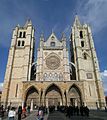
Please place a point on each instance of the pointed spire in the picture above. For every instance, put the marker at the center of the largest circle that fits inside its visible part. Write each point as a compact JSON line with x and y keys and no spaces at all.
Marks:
{"x":41,"y":40}
{"x":63,"y":36}
{"x":52,"y":33}
{"x":28,"y":22}
{"x":42,"y":37}
{"x":18,"y":25}
{"x":63,"y":40}
{"x":77,"y":21}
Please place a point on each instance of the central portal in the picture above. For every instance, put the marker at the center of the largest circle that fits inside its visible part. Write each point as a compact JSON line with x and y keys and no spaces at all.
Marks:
{"x":53,"y":101}
{"x":53,"y":96}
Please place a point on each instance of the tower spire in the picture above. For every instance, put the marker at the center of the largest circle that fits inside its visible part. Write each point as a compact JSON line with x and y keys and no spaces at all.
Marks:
{"x":63,"y":36}
{"x":28,"y":22}
{"x":42,"y":36}
{"x":77,"y":21}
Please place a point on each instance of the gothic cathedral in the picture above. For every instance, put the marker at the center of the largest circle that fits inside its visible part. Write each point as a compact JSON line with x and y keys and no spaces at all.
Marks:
{"x":58,"y":76}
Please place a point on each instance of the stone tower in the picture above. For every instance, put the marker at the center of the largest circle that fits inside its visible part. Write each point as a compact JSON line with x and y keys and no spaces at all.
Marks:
{"x":83,"y":55}
{"x":21,"y":55}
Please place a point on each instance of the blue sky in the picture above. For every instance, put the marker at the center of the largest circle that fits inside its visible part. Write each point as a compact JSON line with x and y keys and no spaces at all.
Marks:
{"x":57,"y":15}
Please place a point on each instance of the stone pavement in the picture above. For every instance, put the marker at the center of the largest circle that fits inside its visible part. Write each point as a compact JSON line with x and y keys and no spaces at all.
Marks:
{"x":34,"y":117}
{"x":57,"y":116}
{"x":94,"y":115}
{"x":98,"y":115}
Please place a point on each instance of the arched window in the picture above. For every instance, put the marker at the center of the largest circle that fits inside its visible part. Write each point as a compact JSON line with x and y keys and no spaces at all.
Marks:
{"x":85,"y":56}
{"x":19,"y":42}
{"x":23,"y":43}
{"x":50,"y":76}
{"x":60,"y":77}
{"x":45,"y":76}
{"x":24,"y":34}
{"x":56,"y":76}
{"x":20,"y":34}
{"x":82,"y":43}
{"x":81,"y":34}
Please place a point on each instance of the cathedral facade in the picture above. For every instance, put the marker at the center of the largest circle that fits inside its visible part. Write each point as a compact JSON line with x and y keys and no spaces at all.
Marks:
{"x":59,"y":76}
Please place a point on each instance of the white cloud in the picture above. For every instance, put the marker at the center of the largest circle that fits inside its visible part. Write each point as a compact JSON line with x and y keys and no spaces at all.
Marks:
{"x":94,"y":12}
{"x":104,"y":78}
{"x":104,"y":74}
{"x":1,"y":86}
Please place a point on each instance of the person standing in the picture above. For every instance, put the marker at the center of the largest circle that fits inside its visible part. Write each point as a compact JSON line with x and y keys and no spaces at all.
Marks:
{"x":40,"y":114}
{"x":11,"y":114}
{"x":24,"y":112}
{"x":28,"y":109}
{"x":19,"y":112}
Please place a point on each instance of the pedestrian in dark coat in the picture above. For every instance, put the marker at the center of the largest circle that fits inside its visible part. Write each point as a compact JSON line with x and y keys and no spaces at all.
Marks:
{"x":81,"y":110}
{"x":86,"y":110}
{"x":19,"y":112}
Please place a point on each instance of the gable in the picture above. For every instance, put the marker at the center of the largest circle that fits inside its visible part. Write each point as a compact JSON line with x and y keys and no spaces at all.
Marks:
{"x":52,"y":41}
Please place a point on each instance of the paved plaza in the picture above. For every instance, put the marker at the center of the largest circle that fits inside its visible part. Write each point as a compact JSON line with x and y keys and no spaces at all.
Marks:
{"x":94,"y":115}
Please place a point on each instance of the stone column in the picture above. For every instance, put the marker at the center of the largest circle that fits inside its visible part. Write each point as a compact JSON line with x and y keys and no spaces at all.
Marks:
{"x":67,"y":95}
{"x":31,"y":105}
{"x":22,"y":104}
{"x":43,"y":98}
{"x":63,"y":96}
{"x":46,"y":102}
{"x":60,"y":102}
{"x":76,"y":102}
{"x":40,"y":93}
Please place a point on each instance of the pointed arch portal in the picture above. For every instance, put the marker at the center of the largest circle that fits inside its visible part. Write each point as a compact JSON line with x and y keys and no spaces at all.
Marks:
{"x":53,"y":96}
{"x":74,"y":96}
{"x":32,"y":95}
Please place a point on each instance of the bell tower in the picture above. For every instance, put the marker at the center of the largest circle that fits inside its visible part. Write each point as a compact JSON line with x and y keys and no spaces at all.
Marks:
{"x":87,"y":68}
{"x":20,"y":58}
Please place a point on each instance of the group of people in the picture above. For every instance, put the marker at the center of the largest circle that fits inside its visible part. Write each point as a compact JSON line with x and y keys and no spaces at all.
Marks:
{"x":68,"y":110}
{"x":12,"y":111}
{"x":2,"y":111}
{"x":41,"y":111}
{"x":75,"y":110}
{"x":22,"y":112}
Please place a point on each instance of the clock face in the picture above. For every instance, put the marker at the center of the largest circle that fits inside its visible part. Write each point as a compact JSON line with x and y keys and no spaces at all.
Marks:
{"x":53,"y":62}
